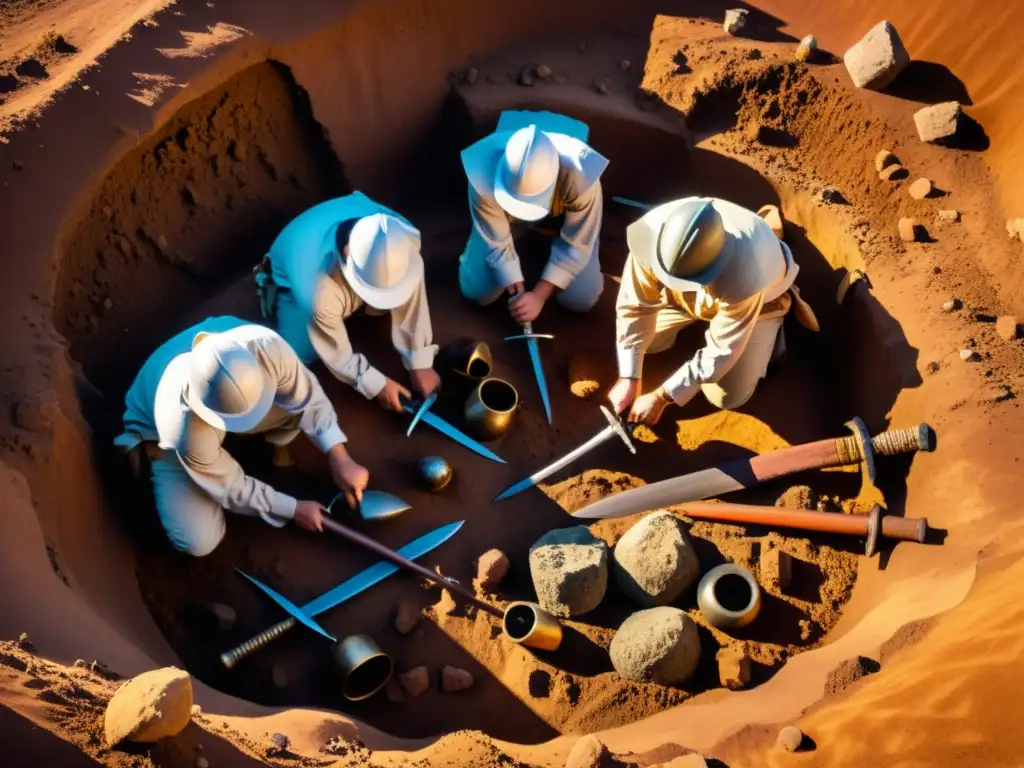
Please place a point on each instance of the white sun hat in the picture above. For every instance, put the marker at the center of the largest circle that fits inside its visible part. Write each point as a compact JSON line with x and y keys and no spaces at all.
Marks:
{"x":383,"y":266}
{"x":226,"y":385}
{"x":527,"y":173}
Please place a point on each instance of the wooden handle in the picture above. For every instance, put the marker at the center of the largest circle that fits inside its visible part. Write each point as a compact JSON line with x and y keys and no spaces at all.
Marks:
{"x":910,"y":440}
{"x":235,"y":655}
{"x":904,"y":528}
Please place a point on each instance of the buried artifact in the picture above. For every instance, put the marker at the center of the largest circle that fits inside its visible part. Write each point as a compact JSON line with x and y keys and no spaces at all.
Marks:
{"x":339,"y":594}
{"x":422,"y":412}
{"x":434,"y":472}
{"x":375,"y":505}
{"x":538,"y":367}
{"x":491,"y":408}
{"x":614,"y":429}
{"x":746,"y":473}
{"x":871,"y":525}
{"x":729,"y":597}
{"x":469,"y":359}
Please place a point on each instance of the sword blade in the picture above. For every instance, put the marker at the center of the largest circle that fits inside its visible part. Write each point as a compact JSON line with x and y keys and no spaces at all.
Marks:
{"x":554,"y":466}
{"x":632,"y":203}
{"x":424,"y":407}
{"x":289,"y":606}
{"x":538,"y":371}
{"x":466,"y":441}
{"x":677,"y":490}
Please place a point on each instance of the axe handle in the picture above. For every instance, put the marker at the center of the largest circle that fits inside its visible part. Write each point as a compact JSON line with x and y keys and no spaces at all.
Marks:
{"x":905,"y":529}
{"x":839,"y":451}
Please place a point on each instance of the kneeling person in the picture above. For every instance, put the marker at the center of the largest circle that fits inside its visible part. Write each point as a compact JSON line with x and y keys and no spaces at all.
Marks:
{"x":226,"y":375}
{"x":710,"y":260}
{"x":543,"y":170}
{"x":330,"y":261}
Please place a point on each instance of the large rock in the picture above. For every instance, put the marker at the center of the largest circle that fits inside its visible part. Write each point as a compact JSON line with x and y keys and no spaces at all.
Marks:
{"x":569,"y":567}
{"x":939,"y":123}
{"x":659,"y":645}
{"x":736,"y":21}
{"x":875,"y":61}
{"x":149,"y":707}
{"x":654,"y":561}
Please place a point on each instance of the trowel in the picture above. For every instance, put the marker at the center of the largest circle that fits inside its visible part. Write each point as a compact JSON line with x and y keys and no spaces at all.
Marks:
{"x":375,"y":505}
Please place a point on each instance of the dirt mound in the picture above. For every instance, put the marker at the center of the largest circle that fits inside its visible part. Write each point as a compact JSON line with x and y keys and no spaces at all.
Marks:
{"x":167,"y":233}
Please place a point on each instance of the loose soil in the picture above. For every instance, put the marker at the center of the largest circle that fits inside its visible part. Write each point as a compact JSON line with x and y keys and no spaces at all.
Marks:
{"x":169,"y":232}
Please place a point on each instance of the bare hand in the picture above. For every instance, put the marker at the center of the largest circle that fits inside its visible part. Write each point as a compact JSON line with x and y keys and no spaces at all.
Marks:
{"x":647,"y":409}
{"x":526,"y":307}
{"x":425,"y":380}
{"x":623,"y":394}
{"x":390,"y":397}
{"x":350,"y":478}
{"x":309,"y":515}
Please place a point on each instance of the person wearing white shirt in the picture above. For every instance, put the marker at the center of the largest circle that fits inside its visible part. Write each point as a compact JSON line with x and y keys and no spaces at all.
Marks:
{"x":702,"y":259}
{"x":335,"y":258}
{"x":227,"y":375}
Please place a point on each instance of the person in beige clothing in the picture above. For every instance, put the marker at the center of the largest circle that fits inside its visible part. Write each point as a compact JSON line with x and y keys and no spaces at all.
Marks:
{"x":702,"y":259}
{"x":334,"y":259}
{"x":227,"y":375}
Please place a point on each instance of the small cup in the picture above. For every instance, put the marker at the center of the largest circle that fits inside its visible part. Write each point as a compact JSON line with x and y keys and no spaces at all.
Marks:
{"x":364,"y":667}
{"x":530,"y":625}
{"x":491,"y":408}
{"x":729,"y":596}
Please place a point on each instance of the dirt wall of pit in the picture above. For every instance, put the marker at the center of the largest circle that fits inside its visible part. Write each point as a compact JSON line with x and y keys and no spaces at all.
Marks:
{"x":74,"y":566}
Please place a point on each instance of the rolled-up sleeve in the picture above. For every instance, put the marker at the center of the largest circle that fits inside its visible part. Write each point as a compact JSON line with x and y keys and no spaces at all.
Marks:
{"x":725,"y":340}
{"x":331,"y":343}
{"x":578,"y":240}
{"x":636,"y":310}
{"x":215,"y":471}
{"x":299,"y":392}
{"x":411,"y":331}
{"x":491,"y":223}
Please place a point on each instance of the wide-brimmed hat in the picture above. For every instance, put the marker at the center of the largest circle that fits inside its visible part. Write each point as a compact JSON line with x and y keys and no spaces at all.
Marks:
{"x":527,"y":173}
{"x":226,"y":386}
{"x":383,"y":264}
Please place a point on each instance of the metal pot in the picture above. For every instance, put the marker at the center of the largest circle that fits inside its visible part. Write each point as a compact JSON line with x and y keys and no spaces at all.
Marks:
{"x":729,"y":596}
{"x":490,"y":408}
{"x":435,"y":472}
{"x":468,"y":358}
{"x":530,"y":625}
{"x":364,"y":667}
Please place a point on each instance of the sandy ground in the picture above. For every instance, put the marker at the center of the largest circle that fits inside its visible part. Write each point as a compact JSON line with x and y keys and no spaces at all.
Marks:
{"x":201,"y":158}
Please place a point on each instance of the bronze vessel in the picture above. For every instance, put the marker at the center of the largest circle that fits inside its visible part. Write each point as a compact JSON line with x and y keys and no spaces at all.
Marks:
{"x":468,"y":358}
{"x":729,"y":596}
{"x":364,"y":667}
{"x":530,"y":625}
{"x":491,"y":408}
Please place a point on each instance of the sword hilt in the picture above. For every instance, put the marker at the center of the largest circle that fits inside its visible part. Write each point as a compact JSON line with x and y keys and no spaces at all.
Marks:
{"x":530,"y":335}
{"x":230,"y":658}
{"x":617,"y":427}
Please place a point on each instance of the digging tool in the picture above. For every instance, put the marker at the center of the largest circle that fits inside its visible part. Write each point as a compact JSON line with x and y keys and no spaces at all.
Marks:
{"x":375,"y":505}
{"x":544,"y":631}
{"x":538,"y":368}
{"x":421,"y":412}
{"x":349,"y":588}
{"x":614,"y":429}
{"x":871,"y":525}
{"x":746,"y":473}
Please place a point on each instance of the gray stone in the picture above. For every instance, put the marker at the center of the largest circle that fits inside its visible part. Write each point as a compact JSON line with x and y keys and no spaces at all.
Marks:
{"x":654,"y":561}
{"x":659,"y":645}
{"x":280,"y":742}
{"x":569,"y":568}
{"x":1008,"y":328}
{"x":736,"y":21}
{"x":471,"y":75}
{"x":790,"y":738}
{"x":969,"y":356}
{"x":952,"y":305}
{"x":149,"y":707}
{"x":878,"y":58}
{"x":938,"y":123}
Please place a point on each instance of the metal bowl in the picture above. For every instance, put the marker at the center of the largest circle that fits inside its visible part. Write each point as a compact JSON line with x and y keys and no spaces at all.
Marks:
{"x":364,"y":667}
{"x":434,"y":472}
{"x":491,"y":408}
{"x":729,"y":596}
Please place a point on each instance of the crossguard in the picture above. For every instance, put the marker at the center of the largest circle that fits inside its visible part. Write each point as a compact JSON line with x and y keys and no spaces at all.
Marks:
{"x":616,"y":424}
{"x":530,"y":336}
{"x":416,"y":409}
{"x":859,"y":447}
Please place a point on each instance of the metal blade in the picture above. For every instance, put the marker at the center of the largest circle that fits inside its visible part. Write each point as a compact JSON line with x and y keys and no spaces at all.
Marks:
{"x":538,"y":371}
{"x":445,"y":428}
{"x":289,"y":606}
{"x":517,"y":488}
{"x":632,"y":203}
{"x":677,"y":490}
{"x":554,"y":466}
{"x":424,"y":407}
{"x":380,"y":571}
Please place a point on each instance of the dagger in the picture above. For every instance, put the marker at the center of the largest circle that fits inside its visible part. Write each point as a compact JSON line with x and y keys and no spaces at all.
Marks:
{"x":614,"y":429}
{"x":538,"y":368}
{"x":421,"y":412}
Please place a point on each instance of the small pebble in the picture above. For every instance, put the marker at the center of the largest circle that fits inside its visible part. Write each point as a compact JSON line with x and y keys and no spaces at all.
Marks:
{"x":601,"y":88}
{"x":790,"y":738}
{"x":280,"y":741}
{"x":491,"y":568}
{"x":910,"y":230}
{"x":196,"y":712}
{"x":415,"y":681}
{"x":754,"y":54}
{"x":202,"y":762}
{"x":17,"y":165}
{"x":407,"y":617}
{"x":1007,"y":327}
{"x":588,"y":752}
{"x":625,"y":65}
{"x":933,"y":367}
{"x":949,"y":216}
{"x":471,"y":75}
{"x":969,"y":356}
{"x":1015,"y":228}
{"x":24,"y":643}
{"x":454,"y":679}
{"x":224,"y":615}
{"x":543,"y":71}
{"x":735,"y":21}
{"x":952,"y":305}
{"x":920,"y":189}
{"x":525,"y":78}
{"x":807,"y":48}
{"x":884,"y":159}
{"x":394,"y":691}
{"x":832,"y":196}
{"x":894,"y":172}
{"x":81,"y":663}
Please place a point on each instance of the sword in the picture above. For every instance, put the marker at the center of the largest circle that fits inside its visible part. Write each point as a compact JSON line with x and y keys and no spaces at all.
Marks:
{"x":747,"y":473}
{"x":349,"y":588}
{"x":633,"y":203}
{"x":614,"y":429}
{"x":538,"y":368}
{"x":422,"y":412}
